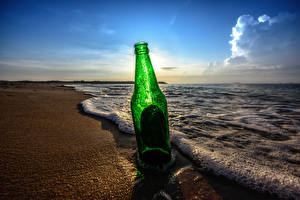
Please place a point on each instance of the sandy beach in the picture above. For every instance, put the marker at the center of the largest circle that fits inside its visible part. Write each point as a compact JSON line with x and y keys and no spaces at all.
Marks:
{"x":51,"y":149}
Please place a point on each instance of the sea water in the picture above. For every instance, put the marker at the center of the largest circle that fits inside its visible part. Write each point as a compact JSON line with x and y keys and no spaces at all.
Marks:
{"x":249,"y":133}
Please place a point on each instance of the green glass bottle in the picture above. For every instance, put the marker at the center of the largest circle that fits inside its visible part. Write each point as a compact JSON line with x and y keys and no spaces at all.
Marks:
{"x":149,"y":114}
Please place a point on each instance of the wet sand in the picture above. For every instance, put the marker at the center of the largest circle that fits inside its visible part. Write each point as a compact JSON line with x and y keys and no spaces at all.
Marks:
{"x":51,"y":149}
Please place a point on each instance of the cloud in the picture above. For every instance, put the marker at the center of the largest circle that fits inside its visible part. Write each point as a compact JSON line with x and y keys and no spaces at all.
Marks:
{"x":263,"y":18}
{"x":169,"y":68}
{"x":106,"y":30}
{"x":79,"y":27}
{"x":236,"y":60}
{"x":73,"y":63}
{"x":265,"y":42}
{"x":166,"y":64}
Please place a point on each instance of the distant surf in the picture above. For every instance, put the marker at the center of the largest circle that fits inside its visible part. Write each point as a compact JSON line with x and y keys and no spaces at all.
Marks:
{"x":247,"y":133}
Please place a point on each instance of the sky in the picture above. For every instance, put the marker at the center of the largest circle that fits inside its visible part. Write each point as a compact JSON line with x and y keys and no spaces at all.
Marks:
{"x":190,"y":41}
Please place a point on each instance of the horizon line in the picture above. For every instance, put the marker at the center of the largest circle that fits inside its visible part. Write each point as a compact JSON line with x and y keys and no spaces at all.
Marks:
{"x":132,"y":82}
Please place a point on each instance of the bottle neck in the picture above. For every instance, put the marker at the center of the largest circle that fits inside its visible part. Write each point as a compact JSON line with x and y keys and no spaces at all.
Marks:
{"x":144,"y":74}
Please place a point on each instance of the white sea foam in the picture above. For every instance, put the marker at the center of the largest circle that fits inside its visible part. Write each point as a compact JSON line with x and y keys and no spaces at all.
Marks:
{"x":251,"y":143}
{"x":242,"y":169}
{"x":123,"y":124}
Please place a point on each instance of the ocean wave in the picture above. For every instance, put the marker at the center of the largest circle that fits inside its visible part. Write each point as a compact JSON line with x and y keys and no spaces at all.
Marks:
{"x":244,"y":170}
{"x":250,"y":143}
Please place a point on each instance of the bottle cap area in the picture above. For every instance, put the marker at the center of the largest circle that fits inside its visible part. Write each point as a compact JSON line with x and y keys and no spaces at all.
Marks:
{"x":141,"y":48}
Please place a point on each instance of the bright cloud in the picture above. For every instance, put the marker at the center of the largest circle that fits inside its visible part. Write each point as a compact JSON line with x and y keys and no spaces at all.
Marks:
{"x":166,"y":64}
{"x":74,"y":63}
{"x":265,"y":42}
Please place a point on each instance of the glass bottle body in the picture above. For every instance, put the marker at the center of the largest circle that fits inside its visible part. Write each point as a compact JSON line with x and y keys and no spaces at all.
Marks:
{"x":149,"y":112}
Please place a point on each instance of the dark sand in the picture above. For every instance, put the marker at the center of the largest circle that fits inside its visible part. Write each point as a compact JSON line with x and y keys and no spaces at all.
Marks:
{"x":51,"y":149}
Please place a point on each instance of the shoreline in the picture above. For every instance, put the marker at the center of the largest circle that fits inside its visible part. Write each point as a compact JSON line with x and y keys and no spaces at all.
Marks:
{"x":96,"y":138}
{"x":49,"y":150}
{"x":226,"y":188}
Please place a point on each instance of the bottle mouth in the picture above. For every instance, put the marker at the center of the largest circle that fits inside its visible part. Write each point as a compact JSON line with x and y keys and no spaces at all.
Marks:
{"x":141,"y":48}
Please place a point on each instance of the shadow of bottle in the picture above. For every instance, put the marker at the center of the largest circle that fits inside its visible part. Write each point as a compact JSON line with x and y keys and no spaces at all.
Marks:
{"x":152,"y":185}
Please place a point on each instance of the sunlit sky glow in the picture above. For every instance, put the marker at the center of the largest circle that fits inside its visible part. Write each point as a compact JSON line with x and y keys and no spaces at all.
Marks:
{"x":190,"y":41}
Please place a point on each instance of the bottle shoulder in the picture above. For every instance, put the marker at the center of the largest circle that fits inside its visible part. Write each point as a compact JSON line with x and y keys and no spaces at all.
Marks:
{"x":148,"y":97}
